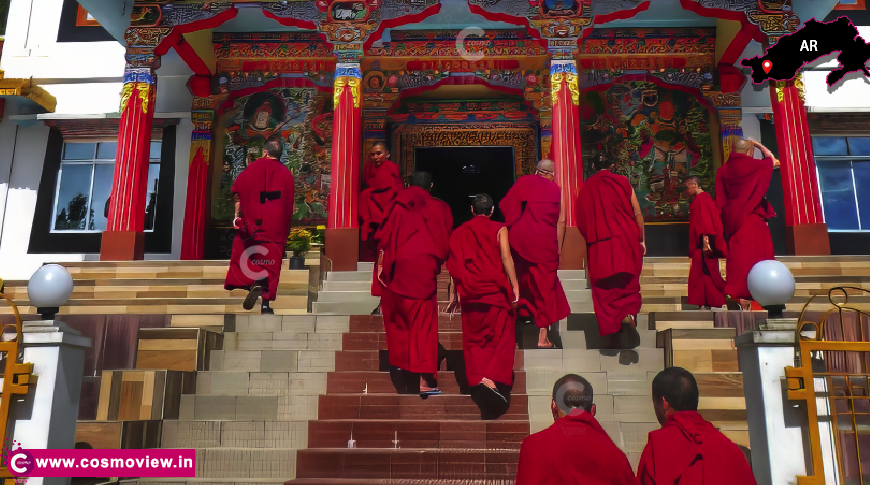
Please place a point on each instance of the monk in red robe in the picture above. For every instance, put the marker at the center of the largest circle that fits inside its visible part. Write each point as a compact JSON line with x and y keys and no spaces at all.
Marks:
{"x":383,"y":184}
{"x":485,"y":286}
{"x":741,"y":184}
{"x":687,"y":450}
{"x":264,"y":206}
{"x":536,"y":224}
{"x":575,"y":450}
{"x":706,"y":246}
{"x":610,"y":219}
{"x":414,"y":238}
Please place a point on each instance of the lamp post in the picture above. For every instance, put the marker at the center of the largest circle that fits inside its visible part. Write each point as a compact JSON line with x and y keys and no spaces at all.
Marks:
{"x":48,"y":289}
{"x":772,"y":286}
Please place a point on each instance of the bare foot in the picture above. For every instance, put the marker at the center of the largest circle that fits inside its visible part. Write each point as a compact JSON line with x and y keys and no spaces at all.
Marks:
{"x":488,"y":383}
{"x":544,"y":340}
{"x":426,"y":390}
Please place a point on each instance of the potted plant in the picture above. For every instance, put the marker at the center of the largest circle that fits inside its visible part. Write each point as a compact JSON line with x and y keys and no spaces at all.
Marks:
{"x":298,"y":242}
{"x":319,"y":235}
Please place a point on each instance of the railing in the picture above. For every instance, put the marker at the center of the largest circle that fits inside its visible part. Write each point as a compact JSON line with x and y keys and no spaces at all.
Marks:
{"x":832,"y":378}
{"x":16,"y":378}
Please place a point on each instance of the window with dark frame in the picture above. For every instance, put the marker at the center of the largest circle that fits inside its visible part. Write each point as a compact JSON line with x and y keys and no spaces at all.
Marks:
{"x":843,"y":171}
{"x":84,"y":183}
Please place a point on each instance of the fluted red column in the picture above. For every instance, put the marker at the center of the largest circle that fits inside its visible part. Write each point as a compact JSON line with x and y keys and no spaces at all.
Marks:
{"x":567,"y":155}
{"x":806,"y":231}
{"x":342,"y":230}
{"x":124,"y":237}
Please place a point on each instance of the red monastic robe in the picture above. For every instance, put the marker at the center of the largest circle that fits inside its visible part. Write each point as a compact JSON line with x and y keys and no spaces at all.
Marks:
{"x":606,"y":220}
{"x":688,"y":450}
{"x":382,"y":185}
{"x":265,"y":189}
{"x":706,"y":286}
{"x":485,"y":295}
{"x":531,"y":210}
{"x":741,"y":184}
{"x":575,"y":450}
{"x":415,"y":239}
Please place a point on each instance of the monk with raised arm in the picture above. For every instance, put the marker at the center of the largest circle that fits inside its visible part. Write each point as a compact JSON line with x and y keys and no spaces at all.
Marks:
{"x":741,"y":185}
{"x":414,"y":241}
{"x":383,"y":184}
{"x":688,"y":449}
{"x":536,"y":223}
{"x":610,"y":219}
{"x":706,"y":245}
{"x":485,"y":286}
{"x":575,"y":449}
{"x":264,"y":206}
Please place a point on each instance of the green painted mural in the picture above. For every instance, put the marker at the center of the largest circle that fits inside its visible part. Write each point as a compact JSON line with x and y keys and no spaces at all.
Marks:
{"x":302,"y":117}
{"x":657,"y":136}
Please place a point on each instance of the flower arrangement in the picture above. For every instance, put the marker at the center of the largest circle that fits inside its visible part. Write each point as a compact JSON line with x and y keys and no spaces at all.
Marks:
{"x":319,"y":236}
{"x":298,"y":241}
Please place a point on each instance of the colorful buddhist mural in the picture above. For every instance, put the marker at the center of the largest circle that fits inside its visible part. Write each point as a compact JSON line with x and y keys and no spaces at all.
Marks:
{"x":302,"y":117}
{"x":657,"y":136}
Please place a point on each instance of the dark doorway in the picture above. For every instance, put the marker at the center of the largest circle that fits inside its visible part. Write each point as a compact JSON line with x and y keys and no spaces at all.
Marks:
{"x":460,"y":173}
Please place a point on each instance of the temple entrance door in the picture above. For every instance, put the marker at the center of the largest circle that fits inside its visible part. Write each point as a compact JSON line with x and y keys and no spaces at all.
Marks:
{"x":460,"y":173}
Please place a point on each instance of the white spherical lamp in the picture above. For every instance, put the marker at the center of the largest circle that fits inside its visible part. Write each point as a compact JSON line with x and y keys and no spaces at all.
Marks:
{"x":772,"y":286}
{"x":49,"y":288}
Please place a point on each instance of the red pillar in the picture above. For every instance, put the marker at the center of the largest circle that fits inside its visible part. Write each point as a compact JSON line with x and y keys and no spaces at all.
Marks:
{"x":567,"y":154}
{"x":124,"y":238}
{"x":196,"y":207}
{"x":342,"y":230}
{"x":806,"y":231}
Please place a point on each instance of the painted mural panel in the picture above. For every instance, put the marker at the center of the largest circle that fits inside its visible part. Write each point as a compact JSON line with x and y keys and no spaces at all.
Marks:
{"x":302,"y":117}
{"x":657,"y":136}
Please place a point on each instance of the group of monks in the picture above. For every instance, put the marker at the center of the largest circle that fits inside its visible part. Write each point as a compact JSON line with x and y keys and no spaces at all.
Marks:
{"x":576,"y":450}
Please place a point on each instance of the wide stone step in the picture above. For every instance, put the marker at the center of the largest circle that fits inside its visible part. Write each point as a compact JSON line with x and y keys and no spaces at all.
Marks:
{"x":444,"y":434}
{"x":571,"y":274}
{"x":249,"y":463}
{"x":449,"y":382}
{"x":349,"y":276}
{"x":409,"y":406}
{"x":364,"y":295}
{"x":362,"y":307}
{"x":456,"y":464}
{"x":272,"y":360}
{"x":377,"y":360}
{"x":237,"y":383}
{"x":234,"y":434}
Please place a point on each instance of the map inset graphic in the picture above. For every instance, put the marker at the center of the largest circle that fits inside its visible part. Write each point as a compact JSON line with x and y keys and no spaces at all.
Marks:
{"x":814,"y":40}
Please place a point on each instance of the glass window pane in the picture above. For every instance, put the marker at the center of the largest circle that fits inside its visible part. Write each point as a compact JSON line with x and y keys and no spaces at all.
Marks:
{"x":838,"y":195}
{"x":107,"y":151}
{"x":78,"y":151}
{"x":155,"y":150}
{"x":103,"y":176}
{"x":829,"y":145}
{"x":862,"y":182}
{"x":859,"y":145}
{"x":71,"y":209}
{"x":151,"y":198}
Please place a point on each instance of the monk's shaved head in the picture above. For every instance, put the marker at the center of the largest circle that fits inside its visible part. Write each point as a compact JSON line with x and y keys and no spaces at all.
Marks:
{"x":482,"y":205}
{"x":273,"y":147}
{"x":572,"y":391}
{"x":546,"y":165}
{"x":381,"y":144}
{"x":743,"y":146}
{"x":422,"y":180}
{"x":678,"y":387}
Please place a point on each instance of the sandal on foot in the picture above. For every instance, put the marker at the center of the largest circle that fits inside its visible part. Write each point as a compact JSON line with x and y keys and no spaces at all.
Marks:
{"x":253,"y":295}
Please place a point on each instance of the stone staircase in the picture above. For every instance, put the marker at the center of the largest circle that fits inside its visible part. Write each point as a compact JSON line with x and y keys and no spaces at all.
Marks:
{"x":163,"y":287}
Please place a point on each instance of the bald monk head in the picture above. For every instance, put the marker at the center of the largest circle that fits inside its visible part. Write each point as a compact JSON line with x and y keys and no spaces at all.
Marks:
{"x":422,"y":180}
{"x":569,"y":393}
{"x":693,"y":185}
{"x":744,"y":146}
{"x":379,"y":152}
{"x":273,"y":148}
{"x":547,"y":169}
{"x":482,"y":205}
{"x":601,"y":161}
{"x":674,"y":389}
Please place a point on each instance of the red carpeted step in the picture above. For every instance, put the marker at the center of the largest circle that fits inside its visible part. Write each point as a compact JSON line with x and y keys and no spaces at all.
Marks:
{"x":487,"y":435}
{"x":369,"y":360}
{"x":375,"y":323}
{"x":411,"y":406}
{"x":378,"y":340}
{"x":450,"y":464}
{"x":381,"y":382}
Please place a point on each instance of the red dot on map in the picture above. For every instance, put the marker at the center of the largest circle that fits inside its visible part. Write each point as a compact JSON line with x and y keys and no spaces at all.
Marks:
{"x":767,"y":66}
